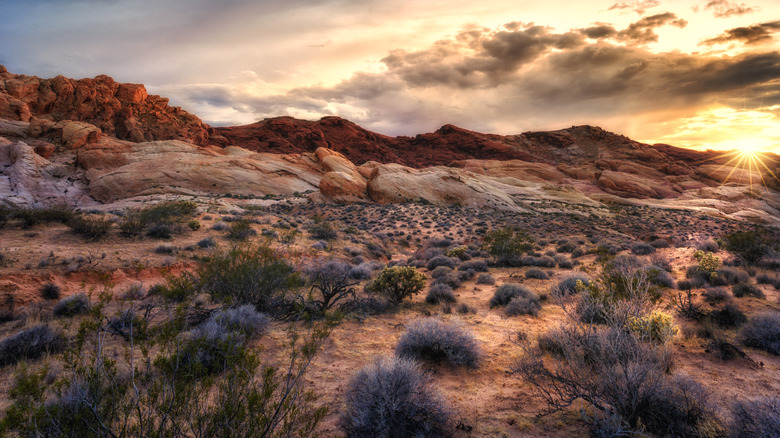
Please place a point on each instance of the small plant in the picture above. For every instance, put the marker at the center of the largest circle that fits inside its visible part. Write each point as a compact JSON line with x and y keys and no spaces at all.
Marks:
{"x":31,"y":343}
{"x":524,"y":305}
{"x":193,"y":224}
{"x":91,"y":227}
{"x":715,"y":295}
{"x":657,"y":327}
{"x":568,"y":286}
{"x":440,"y":293}
{"x":747,"y":245}
{"x":642,"y":249}
{"x":431,"y":339}
{"x":206,"y":243}
{"x":392,"y":398}
{"x":507,"y":245}
{"x":72,"y":305}
{"x":504,"y":294}
{"x":762,"y":332}
{"x":50,"y":291}
{"x":240,"y":230}
{"x":486,"y":279}
{"x":537,"y":274}
{"x":438,"y":261}
{"x":756,"y":418}
{"x":474,"y":265}
{"x":747,"y":290}
{"x":322,"y":229}
{"x":708,"y":263}
{"x":458,"y":252}
{"x":397,"y":283}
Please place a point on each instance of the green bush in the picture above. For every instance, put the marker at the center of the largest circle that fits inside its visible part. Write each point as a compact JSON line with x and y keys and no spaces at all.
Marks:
{"x":240,"y":230}
{"x":507,"y":245}
{"x":159,"y":220}
{"x":34,"y":216}
{"x":397,"y":283}
{"x":91,"y":227}
{"x":247,"y":274}
{"x":748,"y":245}
{"x":322,"y":229}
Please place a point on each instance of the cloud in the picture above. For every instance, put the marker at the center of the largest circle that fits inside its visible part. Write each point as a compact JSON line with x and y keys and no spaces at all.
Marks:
{"x":724,"y":8}
{"x":755,"y":34}
{"x":643,"y":31}
{"x":640,"y":7}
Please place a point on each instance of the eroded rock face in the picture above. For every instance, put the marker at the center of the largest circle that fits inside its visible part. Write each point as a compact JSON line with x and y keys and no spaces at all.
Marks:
{"x":124,"y":111}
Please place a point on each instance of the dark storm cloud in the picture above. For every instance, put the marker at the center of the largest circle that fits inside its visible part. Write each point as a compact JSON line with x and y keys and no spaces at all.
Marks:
{"x":755,"y":34}
{"x":599,"y":32}
{"x":643,"y":31}
{"x":724,"y":8}
{"x":640,"y":7}
{"x":478,"y":58}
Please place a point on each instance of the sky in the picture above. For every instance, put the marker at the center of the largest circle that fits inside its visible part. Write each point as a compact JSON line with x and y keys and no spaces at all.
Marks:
{"x":703,"y":74}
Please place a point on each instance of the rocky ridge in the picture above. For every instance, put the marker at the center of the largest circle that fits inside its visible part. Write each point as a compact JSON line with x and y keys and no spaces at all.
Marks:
{"x":49,"y":158}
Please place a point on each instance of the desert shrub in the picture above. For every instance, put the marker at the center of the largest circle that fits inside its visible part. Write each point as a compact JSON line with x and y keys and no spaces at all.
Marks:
{"x":161,"y":230}
{"x":568,"y":286}
{"x":563,"y":262}
{"x":440,"y":293}
{"x":746,"y":290}
{"x":331,"y":284}
{"x":623,"y":289}
{"x":659,"y":277}
{"x":176,"y":288}
{"x":577,"y":253}
{"x":72,"y":305}
{"x":768,"y":279}
{"x":31,"y":343}
{"x":240,"y":230}
{"x":463,"y":308}
{"x":50,"y":291}
{"x":747,"y":245}
{"x":160,"y":221}
{"x":758,"y":418}
{"x":537,"y":274}
{"x":729,"y":316}
{"x":34,"y":216}
{"x":322,"y":229}
{"x":566,"y":245}
{"x":220,"y":226}
{"x":441,"y":271}
{"x":708,"y":245}
{"x":458,"y":252}
{"x":90,"y":227}
{"x":392,"y":398}
{"x":660,"y":243}
{"x":507,"y":245}
{"x":165,"y":249}
{"x":763,"y":332}
{"x":486,"y":279}
{"x":244,"y":319}
{"x":450,"y":279}
{"x":524,"y":305}
{"x":366,"y":306}
{"x":657,"y":327}
{"x":726,"y":276}
{"x":623,"y":378}
{"x":193,"y":224}
{"x":475,"y":265}
{"x":504,"y":294}
{"x":642,"y":249}
{"x":715,"y":295}
{"x":431,"y":339}
{"x":247,"y":274}
{"x":206,"y":243}
{"x":541,"y":261}
{"x":661,"y":262}
{"x":397,"y":282}
{"x":440,"y":261}
{"x":360,"y":272}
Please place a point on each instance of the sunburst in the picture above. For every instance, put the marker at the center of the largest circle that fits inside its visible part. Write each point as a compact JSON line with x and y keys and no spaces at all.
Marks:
{"x":745,"y":164}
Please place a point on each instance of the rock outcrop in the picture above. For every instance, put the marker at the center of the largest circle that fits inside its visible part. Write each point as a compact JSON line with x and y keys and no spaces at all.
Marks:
{"x":124,"y":111}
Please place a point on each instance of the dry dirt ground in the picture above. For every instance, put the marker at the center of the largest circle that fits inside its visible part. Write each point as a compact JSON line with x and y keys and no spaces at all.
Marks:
{"x":488,"y":401}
